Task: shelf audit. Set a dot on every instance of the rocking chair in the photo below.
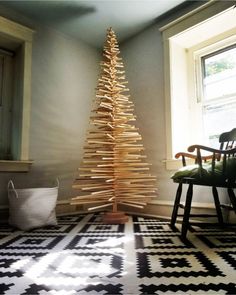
(218, 169)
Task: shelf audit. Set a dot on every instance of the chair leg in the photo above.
(217, 205)
(176, 205)
(232, 198)
(188, 202)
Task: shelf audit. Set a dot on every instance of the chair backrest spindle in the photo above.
(213, 161)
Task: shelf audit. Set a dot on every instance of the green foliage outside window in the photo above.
(220, 65)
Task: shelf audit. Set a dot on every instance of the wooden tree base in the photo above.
(115, 218)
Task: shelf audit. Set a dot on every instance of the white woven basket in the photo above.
(32, 207)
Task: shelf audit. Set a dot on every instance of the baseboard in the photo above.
(161, 209)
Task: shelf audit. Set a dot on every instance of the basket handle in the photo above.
(57, 182)
(12, 187)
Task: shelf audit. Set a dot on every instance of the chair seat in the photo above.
(205, 175)
(223, 184)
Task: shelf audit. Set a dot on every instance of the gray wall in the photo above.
(64, 77)
(143, 59)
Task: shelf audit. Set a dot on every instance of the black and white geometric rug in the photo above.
(143, 256)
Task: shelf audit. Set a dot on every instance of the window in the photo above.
(219, 93)
(6, 86)
(15, 95)
(194, 95)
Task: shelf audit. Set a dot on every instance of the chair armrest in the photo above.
(191, 156)
(192, 148)
(216, 154)
(182, 154)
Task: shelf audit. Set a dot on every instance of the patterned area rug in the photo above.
(144, 256)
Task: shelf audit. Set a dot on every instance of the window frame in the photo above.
(194, 18)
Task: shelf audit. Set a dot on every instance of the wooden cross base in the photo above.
(115, 218)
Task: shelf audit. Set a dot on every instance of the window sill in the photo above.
(172, 164)
(15, 166)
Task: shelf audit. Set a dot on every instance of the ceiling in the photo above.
(89, 20)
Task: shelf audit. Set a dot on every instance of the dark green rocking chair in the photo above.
(218, 169)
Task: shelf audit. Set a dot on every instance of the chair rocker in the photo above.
(218, 169)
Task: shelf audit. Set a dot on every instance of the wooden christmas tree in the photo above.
(114, 171)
